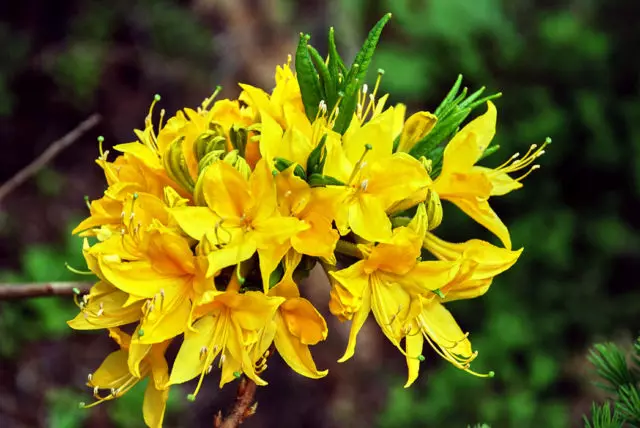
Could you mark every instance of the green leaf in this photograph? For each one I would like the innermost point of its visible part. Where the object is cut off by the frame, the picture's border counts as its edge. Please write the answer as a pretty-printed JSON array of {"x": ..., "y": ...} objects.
[
  {"x": 319, "y": 180},
  {"x": 328, "y": 84},
  {"x": 276, "y": 276},
  {"x": 442, "y": 130},
  {"x": 628, "y": 405},
  {"x": 450, "y": 96},
  {"x": 281, "y": 164},
  {"x": 307, "y": 78},
  {"x": 336, "y": 66},
  {"x": 317, "y": 157},
  {"x": 603, "y": 417},
  {"x": 611, "y": 365},
  {"x": 357, "y": 74}
]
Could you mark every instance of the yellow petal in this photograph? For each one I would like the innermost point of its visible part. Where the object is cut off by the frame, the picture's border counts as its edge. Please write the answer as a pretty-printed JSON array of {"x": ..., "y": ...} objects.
[
  {"x": 395, "y": 178},
  {"x": 356, "y": 324},
  {"x": 113, "y": 372},
  {"x": 501, "y": 182},
  {"x": 413, "y": 343},
  {"x": 269, "y": 258},
  {"x": 188, "y": 363},
  {"x": 303, "y": 320},
  {"x": 480, "y": 211},
  {"x": 137, "y": 352},
  {"x": 467, "y": 290},
  {"x": 230, "y": 255},
  {"x": 466, "y": 147},
  {"x": 368, "y": 220},
  {"x": 416, "y": 128},
  {"x": 239, "y": 352},
  {"x": 195, "y": 221},
  {"x": 295, "y": 353},
  {"x": 154, "y": 405},
  {"x": 319, "y": 240},
  {"x": 378, "y": 132},
  {"x": 226, "y": 191},
  {"x": 137, "y": 277},
  {"x": 491, "y": 260},
  {"x": 399, "y": 255},
  {"x": 167, "y": 319},
  {"x": 443, "y": 329},
  {"x": 252, "y": 309},
  {"x": 353, "y": 279},
  {"x": 107, "y": 310},
  {"x": 263, "y": 192}
]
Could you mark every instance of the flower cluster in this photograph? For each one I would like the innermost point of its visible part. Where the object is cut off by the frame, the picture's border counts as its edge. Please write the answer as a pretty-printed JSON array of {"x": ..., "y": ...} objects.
[{"x": 212, "y": 218}]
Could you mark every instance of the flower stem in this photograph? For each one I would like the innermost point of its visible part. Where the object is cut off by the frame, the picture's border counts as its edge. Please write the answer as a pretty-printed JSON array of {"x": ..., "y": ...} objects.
[{"x": 348, "y": 248}]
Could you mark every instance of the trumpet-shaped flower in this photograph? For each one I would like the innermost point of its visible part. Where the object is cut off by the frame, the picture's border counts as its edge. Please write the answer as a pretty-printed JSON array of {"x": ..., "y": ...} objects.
[
  {"x": 115, "y": 376},
  {"x": 241, "y": 217},
  {"x": 166, "y": 275},
  {"x": 230, "y": 323},
  {"x": 298, "y": 323},
  {"x": 375, "y": 178},
  {"x": 469, "y": 186}
]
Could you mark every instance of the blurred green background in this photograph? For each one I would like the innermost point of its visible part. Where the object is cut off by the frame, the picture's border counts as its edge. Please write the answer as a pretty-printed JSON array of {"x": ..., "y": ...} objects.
[{"x": 568, "y": 69}]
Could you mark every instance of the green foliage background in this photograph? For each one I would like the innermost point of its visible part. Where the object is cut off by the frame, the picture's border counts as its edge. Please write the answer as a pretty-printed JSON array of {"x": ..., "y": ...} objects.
[{"x": 568, "y": 70}]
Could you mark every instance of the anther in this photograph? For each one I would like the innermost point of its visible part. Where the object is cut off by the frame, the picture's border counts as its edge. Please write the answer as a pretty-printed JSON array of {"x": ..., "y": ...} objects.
[
  {"x": 89, "y": 377},
  {"x": 114, "y": 392},
  {"x": 95, "y": 391},
  {"x": 210, "y": 368},
  {"x": 365, "y": 88},
  {"x": 364, "y": 184},
  {"x": 203, "y": 352},
  {"x": 101, "y": 310}
]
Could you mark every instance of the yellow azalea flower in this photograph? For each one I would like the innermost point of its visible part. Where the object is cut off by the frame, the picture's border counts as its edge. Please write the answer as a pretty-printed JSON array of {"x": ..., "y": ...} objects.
[
  {"x": 230, "y": 323},
  {"x": 285, "y": 102},
  {"x": 242, "y": 217},
  {"x": 166, "y": 275},
  {"x": 469, "y": 186},
  {"x": 375, "y": 178},
  {"x": 104, "y": 307},
  {"x": 114, "y": 375},
  {"x": 314, "y": 207},
  {"x": 436, "y": 325},
  {"x": 489, "y": 262},
  {"x": 388, "y": 281},
  {"x": 298, "y": 323}
]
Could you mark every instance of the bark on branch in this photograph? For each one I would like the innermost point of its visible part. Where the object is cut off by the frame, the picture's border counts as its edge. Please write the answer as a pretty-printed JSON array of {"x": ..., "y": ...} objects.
[
  {"x": 22, "y": 291},
  {"x": 243, "y": 407}
]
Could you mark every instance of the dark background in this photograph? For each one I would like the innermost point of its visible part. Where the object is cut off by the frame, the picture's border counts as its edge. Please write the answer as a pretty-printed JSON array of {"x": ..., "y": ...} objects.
[{"x": 568, "y": 69}]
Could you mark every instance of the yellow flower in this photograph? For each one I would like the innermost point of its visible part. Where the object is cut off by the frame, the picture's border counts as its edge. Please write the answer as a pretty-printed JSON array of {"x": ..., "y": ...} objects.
[
  {"x": 314, "y": 207},
  {"x": 469, "y": 186},
  {"x": 489, "y": 261},
  {"x": 298, "y": 324},
  {"x": 166, "y": 275},
  {"x": 104, "y": 307},
  {"x": 231, "y": 323},
  {"x": 241, "y": 217},
  {"x": 388, "y": 281},
  {"x": 285, "y": 102},
  {"x": 375, "y": 178},
  {"x": 115, "y": 376}
]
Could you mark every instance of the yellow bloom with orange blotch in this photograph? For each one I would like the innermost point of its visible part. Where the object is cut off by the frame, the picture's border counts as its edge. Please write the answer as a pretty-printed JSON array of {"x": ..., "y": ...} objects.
[
  {"x": 166, "y": 275},
  {"x": 229, "y": 324},
  {"x": 298, "y": 323}
]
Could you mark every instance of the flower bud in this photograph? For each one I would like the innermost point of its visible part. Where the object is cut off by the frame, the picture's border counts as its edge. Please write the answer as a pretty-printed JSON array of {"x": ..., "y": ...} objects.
[{"x": 176, "y": 165}]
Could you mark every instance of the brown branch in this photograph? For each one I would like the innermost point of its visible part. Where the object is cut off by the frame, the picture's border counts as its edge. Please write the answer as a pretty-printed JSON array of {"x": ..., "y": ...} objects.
[
  {"x": 243, "y": 407},
  {"x": 23, "y": 291},
  {"x": 46, "y": 156}
]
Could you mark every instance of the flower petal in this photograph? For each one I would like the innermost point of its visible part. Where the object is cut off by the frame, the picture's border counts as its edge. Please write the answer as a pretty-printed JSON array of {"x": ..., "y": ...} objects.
[
  {"x": 154, "y": 405},
  {"x": 295, "y": 353},
  {"x": 195, "y": 221},
  {"x": 188, "y": 363},
  {"x": 356, "y": 324},
  {"x": 413, "y": 344},
  {"x": 368, "y": 220}
]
